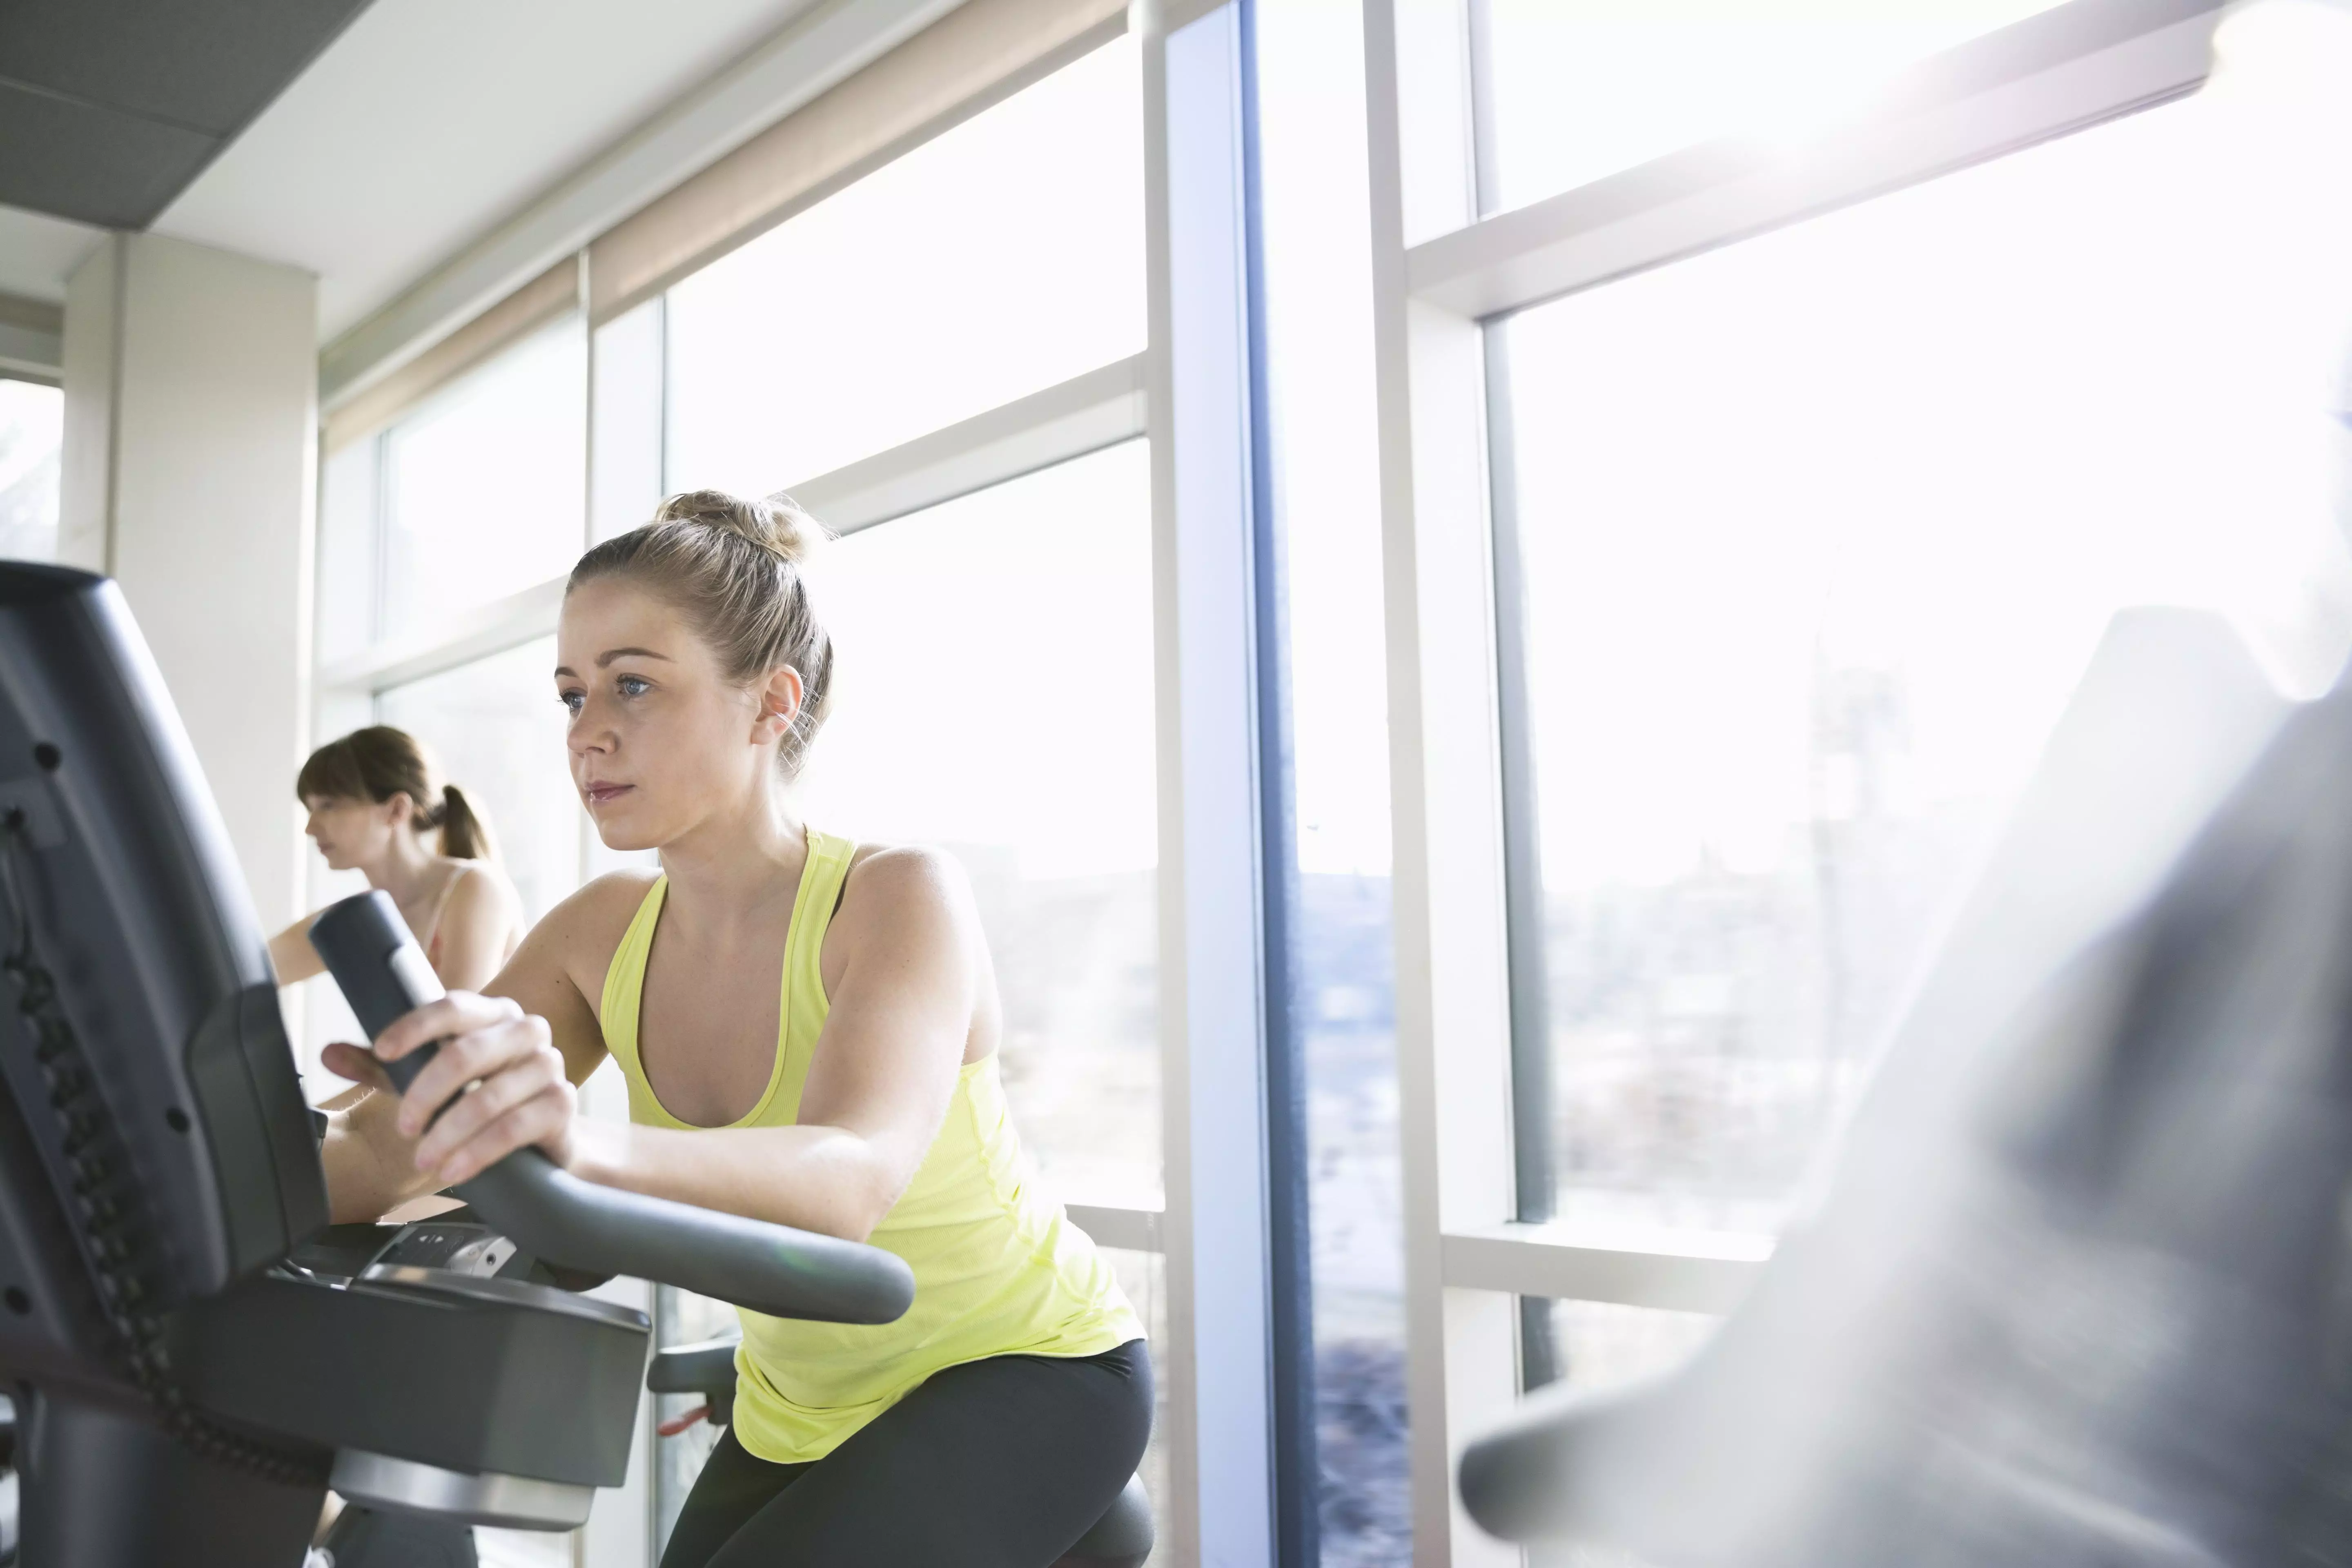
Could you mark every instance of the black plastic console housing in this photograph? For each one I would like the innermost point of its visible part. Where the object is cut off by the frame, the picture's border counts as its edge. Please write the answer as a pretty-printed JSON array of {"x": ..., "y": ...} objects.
[{"x": 481, "y": 1376}]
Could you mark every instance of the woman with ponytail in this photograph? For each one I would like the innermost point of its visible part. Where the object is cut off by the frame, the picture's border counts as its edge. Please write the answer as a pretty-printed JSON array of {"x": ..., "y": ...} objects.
[{"x": 373, "y": 800}]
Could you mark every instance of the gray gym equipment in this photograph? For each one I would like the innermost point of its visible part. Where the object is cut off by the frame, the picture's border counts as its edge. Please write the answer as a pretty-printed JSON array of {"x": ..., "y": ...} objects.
[
  {"x": 2080, "y": 1291},
  {"x": 191, "y": 1351}
]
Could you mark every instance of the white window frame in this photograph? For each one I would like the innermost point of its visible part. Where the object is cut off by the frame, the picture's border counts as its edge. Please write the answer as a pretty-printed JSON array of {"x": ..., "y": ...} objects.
[{"x": 1441, "y": 273}]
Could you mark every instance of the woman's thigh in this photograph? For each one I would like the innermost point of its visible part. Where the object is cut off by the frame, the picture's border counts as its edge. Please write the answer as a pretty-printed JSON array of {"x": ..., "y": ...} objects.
[
  {"x": 732, "y": 1488},
  {"x": 1001, "y": 1463}
]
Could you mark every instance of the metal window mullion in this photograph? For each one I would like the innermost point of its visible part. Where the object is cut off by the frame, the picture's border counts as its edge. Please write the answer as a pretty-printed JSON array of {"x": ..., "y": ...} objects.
[
  {"x": 1534, "y": 1171},
  {"x": 1452, "y": 1003},
  {"x": 1298, "y": 1492}
]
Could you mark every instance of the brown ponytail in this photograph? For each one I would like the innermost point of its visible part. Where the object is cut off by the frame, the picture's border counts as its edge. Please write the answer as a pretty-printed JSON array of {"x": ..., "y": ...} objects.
[
  {"x": 379, "y": 761},
  {"x": 464, "y": 835}
]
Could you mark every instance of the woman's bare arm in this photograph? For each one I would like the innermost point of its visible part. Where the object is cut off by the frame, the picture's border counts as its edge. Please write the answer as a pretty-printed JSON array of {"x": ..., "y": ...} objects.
[
  {"x": 291, "y": 954},
  {"x": 473, "y": 930},
  {"x": 878, "y": 1087}
]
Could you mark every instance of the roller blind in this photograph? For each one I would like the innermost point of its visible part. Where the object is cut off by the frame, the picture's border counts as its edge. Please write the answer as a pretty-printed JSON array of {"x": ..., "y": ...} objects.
[
  {"x": 977, "y": 54},
  {"x": 553, "y": 293}
]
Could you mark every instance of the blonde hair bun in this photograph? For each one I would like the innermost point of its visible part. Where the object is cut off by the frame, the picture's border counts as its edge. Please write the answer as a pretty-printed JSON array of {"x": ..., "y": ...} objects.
[
  {"x": 776, "y": 524},
  {"x": 733, "y": 564}
]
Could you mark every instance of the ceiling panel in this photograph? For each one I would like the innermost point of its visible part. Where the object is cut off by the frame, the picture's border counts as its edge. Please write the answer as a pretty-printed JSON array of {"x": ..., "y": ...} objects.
[
  {"x": 207, "y": 65},
  {"x": 108, "y": 107},
  {"x": 90, "y": 164}
]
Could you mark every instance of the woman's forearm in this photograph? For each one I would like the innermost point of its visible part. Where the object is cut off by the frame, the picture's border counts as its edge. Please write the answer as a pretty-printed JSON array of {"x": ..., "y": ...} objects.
[
  {"x": 291, "y": 954},
  {"x": 826, "y": 1179}
]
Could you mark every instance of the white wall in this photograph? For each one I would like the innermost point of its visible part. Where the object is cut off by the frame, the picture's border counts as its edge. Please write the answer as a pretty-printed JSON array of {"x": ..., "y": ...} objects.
[{"x": 191, "y": 382}]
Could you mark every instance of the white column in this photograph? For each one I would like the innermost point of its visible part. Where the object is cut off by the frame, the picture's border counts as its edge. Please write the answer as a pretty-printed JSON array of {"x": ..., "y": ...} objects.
[{"x": 191, "y": 382}]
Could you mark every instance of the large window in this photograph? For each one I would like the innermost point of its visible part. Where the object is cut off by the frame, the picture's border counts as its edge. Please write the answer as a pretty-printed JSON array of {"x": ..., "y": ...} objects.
[
  {"x": 485, "y": 488},
  {"x": 1782, "y": 697},
  {"x": 994, "y": 697},
  {"x": 998, "y": 259},
  {"x": 1754, "y": 513},
  {"x": 32, "y": 431},
  {"x": 1581, "y": 88}
]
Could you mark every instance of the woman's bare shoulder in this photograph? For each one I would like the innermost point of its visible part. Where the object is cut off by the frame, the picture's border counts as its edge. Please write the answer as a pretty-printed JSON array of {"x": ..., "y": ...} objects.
[
  {"x": 886, "y": 881},
  {"x": 483, "y": 885},
  {"x": 591, "y": 921}
]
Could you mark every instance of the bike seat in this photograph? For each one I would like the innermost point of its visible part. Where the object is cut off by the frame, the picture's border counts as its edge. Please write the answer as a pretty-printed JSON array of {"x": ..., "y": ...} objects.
[
  {"x": 707, "y": 1368},
  {"x": 1121, "y": 1538}
]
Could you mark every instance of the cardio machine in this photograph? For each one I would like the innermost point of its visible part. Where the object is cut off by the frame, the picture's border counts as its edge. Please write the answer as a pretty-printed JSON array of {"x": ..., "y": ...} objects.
[
  {"x": 193, "y": 1356},
  {"x": 2080, "y": 1291}
]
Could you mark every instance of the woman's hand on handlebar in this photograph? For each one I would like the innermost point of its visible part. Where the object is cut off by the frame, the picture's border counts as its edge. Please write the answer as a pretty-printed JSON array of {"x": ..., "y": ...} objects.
[{"x": 498, "y": 1084}]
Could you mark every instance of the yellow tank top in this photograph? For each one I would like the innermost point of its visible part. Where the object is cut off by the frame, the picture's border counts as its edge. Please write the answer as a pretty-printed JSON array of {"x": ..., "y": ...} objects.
[{"x": 999, "y": 1268}]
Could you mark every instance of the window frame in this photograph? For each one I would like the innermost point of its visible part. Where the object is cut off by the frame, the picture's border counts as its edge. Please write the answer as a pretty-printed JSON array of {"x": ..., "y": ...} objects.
[{"x": 1471, "y": 1035}]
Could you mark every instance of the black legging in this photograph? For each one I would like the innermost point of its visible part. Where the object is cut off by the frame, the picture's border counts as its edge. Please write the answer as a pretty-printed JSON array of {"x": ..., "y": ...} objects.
[{"x": 1001, "y": 1463}]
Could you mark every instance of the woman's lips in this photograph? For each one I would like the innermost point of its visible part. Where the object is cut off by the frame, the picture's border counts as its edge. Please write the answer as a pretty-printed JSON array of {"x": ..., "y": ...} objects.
[{"x": 600, "y": 793}]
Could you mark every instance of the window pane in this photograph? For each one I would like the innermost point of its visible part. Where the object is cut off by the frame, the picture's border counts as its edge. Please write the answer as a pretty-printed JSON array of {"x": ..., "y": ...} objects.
[
  {"x": 1581, "y": 88},
  {"x": 32, "y": 432},
  {"x": 485, "y": 492},
  {"x": 1601, "y": 1344},
  {"x": 1819, "y": 532},
  {"x": 994, "y": 697},
  {"x": 994, "y": 261},
  {"x": 497, "y": 732},
  {"x": 347, "y": 567}
]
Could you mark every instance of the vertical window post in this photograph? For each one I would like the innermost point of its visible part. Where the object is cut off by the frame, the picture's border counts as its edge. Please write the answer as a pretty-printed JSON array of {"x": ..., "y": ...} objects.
[
  {"x": 1452, "y": 969},
  {"x": 1240, "y": 1361}
]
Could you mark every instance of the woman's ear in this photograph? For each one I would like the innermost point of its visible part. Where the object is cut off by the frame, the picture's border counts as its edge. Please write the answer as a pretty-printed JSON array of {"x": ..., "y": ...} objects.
[
  {"x": 398, "y": 809},
  {"x": 779, "y": 696}
]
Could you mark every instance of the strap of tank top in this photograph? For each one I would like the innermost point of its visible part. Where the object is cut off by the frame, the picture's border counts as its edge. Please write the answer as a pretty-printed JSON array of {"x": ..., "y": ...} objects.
[
  {"x": 624, "y": 977},
  {"x": 820, "y": 893}
]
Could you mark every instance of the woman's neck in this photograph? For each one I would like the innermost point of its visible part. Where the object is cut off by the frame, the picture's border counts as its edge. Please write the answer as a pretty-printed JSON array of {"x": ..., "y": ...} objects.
[
  {"x": 736, "y": 866},
  {"x": 408, "y": 869}
]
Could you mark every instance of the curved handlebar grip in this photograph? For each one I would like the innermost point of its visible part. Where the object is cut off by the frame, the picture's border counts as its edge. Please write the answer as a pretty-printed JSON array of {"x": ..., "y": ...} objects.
[{"x": 770, "y": 1269}]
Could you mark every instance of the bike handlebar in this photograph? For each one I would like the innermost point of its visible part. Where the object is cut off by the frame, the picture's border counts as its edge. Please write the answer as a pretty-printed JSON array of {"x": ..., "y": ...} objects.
[{"x": 770, "y": 1269}]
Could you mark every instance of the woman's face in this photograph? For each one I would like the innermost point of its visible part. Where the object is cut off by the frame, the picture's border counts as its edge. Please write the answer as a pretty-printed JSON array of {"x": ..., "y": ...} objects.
[
  {"x": 354, "y": 834},
  {"x": 660, "y": 740}
]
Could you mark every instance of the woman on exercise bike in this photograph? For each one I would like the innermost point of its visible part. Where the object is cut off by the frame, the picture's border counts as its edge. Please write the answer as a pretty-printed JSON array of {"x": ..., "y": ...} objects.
[
  {"x": 809, "y": 1030},
  {"x": 373, "y": 801}
]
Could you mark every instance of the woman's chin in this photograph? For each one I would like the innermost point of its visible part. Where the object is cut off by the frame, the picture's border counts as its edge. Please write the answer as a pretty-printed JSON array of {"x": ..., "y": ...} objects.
[{"x": 623, "y": 837}]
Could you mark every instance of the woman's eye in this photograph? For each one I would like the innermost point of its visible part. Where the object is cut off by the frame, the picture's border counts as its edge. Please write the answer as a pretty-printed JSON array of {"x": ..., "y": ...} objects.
[
  {"x": 632, "y": 686},
  {"x": 573, "y": 701}
]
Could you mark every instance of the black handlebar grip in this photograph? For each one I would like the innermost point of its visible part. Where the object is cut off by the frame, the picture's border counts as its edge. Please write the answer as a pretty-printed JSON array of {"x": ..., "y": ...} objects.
[
  {"x": 384, "y": 974},
  {"x": 770, "y": 1269}
]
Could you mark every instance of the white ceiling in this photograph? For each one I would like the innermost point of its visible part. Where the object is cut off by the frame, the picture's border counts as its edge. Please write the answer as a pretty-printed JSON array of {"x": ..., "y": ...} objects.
[
  {"x": 37, "y": 253},
  {"x": 429, "y": 122}
]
